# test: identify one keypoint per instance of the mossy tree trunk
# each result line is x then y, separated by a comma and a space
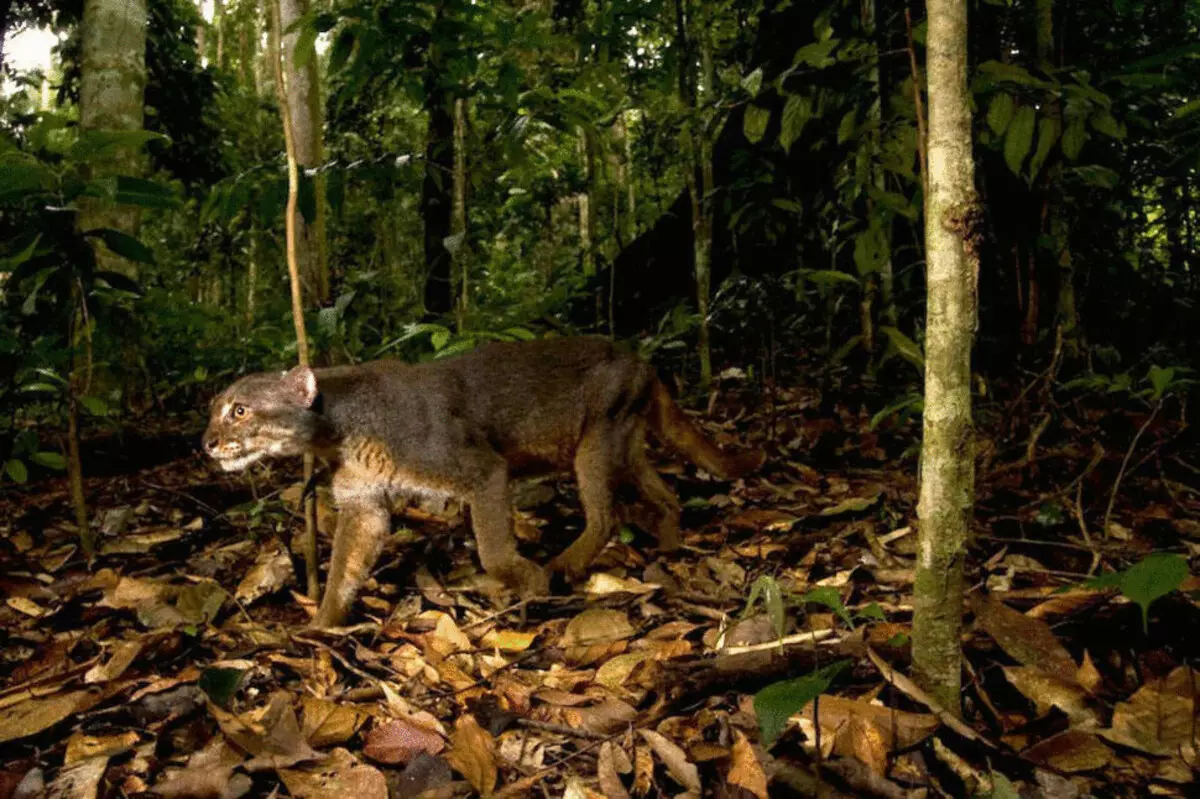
947, 453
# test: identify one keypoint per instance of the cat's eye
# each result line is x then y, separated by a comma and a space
239, 411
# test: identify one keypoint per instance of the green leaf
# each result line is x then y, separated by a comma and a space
870, 249
123, 245
1153, 578
95, 145
16, 470
872, 612
908, 349
796, 113
1001, 72
777, 703
816, 54
13, 261
144, 193
306, 45
767, 589
340, 50
1160, 379
1048, 129
847, 125
1074, 137
119, 282
830, 598
1002, 788
1107, 124
752, 83
1099, 176
439, 338
894, 202
51, 460
1188, 108
39, 388
221, 684
754, 124
828, 277
1019, 138
21, 176
96, 406
911, 403
1000, 113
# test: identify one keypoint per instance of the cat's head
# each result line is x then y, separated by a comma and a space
266, 415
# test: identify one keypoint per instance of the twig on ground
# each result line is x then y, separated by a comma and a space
1112, 497
562, 729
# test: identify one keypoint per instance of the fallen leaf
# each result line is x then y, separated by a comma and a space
82, 747
508, 640
614, 672
123, 655
606, 772
473, 754
131, 593
27, 606
78, 781
851, 505
863, 740
744, 770
576, 789
35, 715
1046, 691
340, 776
900, 729
325, 723
1088, 675
603, 584
762, 519
400, 741
140, 543
1157, 719
675, 759
1027, 640
1070, 752
608, 717
597, 626
425, 773
208, 773
643, 770
270, 734
271, 571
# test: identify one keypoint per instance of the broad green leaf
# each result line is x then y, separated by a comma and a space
306, 45
1002, 788
777, 703
908, 349
754, 124
827, 277
464, 344
1188, 108
1048, 129
51, 460
1000, 113
1000, 71
1160, 379
767, 589
1074, 137
119, 282
872, 612
96, 145
1107, 124
39, 388
16, 470
870, 250
796, 113
752, 83
816, 54
13, 261
1099, 176
830, 598
96, 406
911, 403
895, 202
123, 245
439, 338
21, 176
847, 125
1019, 138
792, 206
1153, 578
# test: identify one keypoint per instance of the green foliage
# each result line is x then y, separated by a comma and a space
765, 588
778, 702
1148, 580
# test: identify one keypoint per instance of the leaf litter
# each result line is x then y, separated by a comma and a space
179, 666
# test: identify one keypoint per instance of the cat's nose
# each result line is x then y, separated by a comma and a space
209, 443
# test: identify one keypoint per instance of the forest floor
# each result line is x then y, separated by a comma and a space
178, 661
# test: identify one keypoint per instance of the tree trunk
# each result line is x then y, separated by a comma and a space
201, 35
219, 24
304, 104
947, 452
112, 84
878, 285
459, 221
587, 216
292, 220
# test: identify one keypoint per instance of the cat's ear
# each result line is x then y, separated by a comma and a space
299, 385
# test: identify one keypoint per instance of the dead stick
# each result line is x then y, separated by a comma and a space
916, 75
1112, 497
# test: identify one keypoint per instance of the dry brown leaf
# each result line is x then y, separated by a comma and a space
863, 740
1088, 675
762, 519
1070, 751
1157, 719
836, 712
643, 770
139, 543
208, 773
597, 626
325, 723
1068, 603
606, 772
1046, 691
611, 715
35, 715
1027, 640
613, 674
675, 759
131, 593
26, 605
446, 638
576, 789
744, 770
508, 640
271, 571
77, 781
340, 776
270, 734
400, 741
473, 754
123, 655
604, 584
82, 747
432, 590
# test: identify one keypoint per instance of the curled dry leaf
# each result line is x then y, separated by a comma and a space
83, 747
675, 759
400, 741
27, 606
744, 769
123, 655
1027, 640
131, 593
208, 773
613, 674
607, 768
864, 741
473, 754
576, 789
340, 776
508, 640
1047, 691
899, 729
35, 715
1070, 751
271, 571
1158, 718
270, 734
603, 584
597, 626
